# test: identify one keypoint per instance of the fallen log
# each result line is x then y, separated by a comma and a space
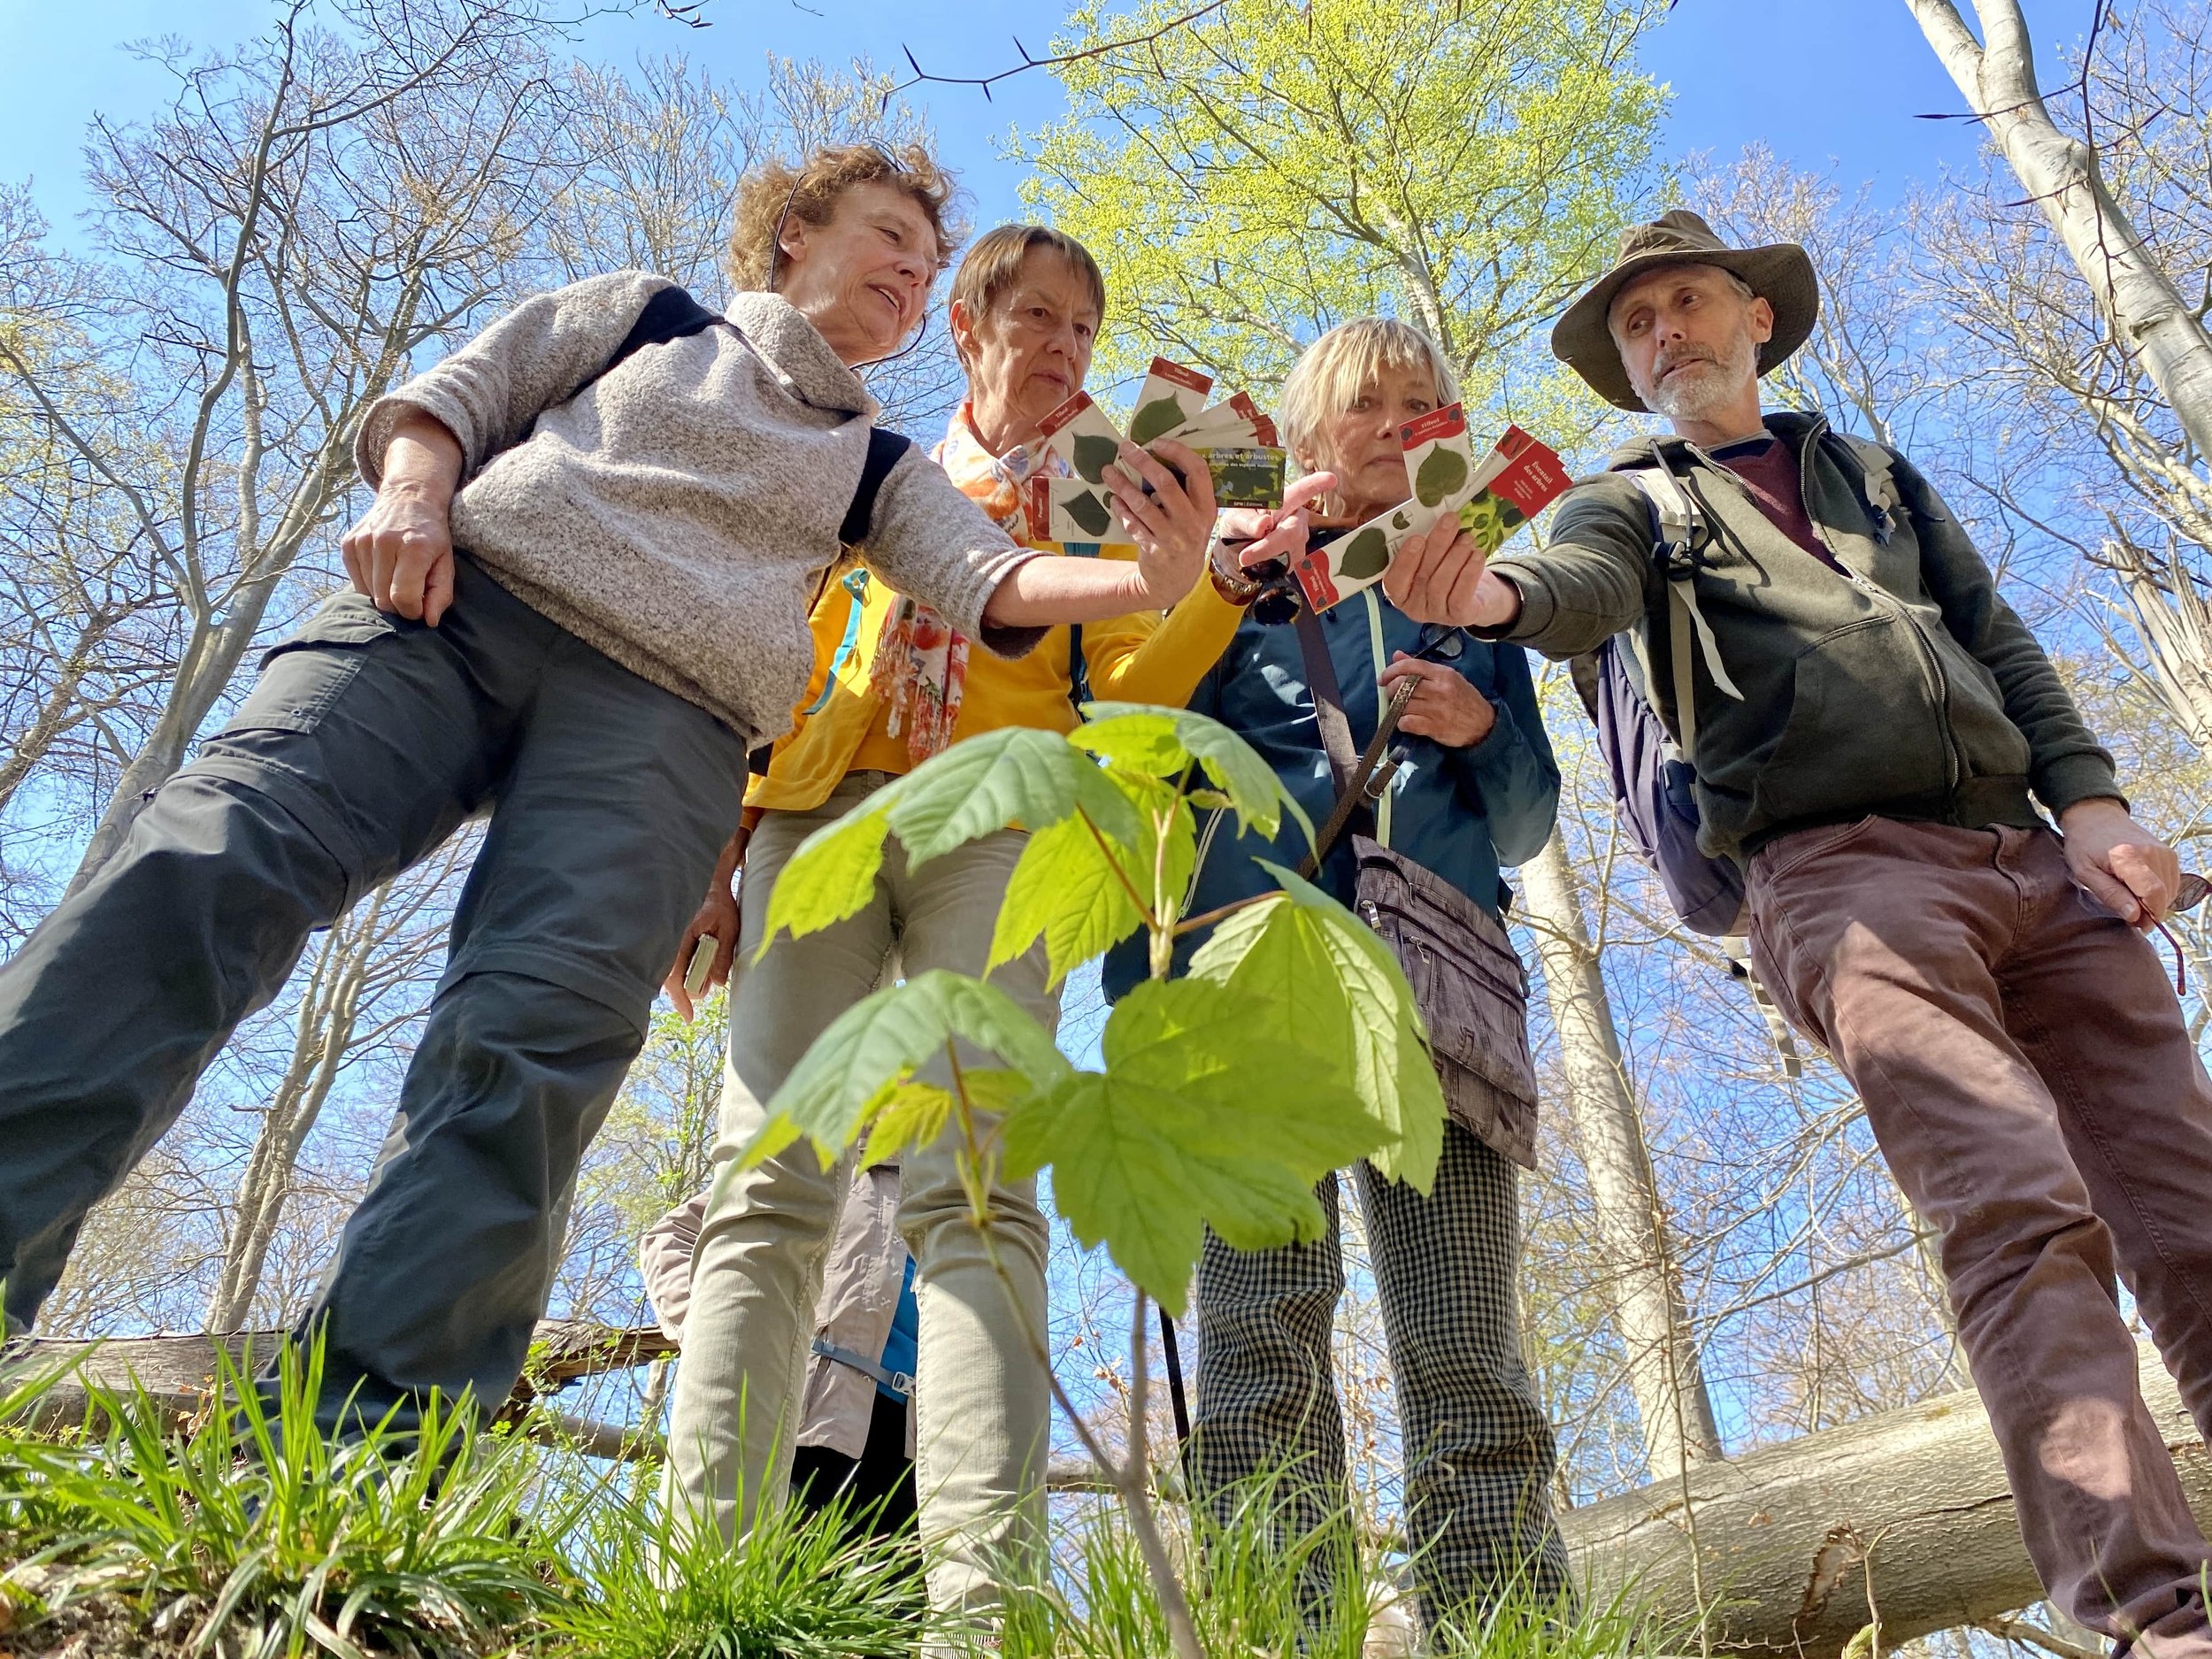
1796, 1547
178, 1372
1790, 1549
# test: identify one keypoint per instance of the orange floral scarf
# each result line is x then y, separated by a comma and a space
920, 669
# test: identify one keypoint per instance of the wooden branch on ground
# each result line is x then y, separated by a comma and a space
178, 1372
1799, 1544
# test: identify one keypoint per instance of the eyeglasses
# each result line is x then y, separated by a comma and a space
1440, 643
2191, 891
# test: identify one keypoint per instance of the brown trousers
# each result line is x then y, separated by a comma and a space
2028, 1077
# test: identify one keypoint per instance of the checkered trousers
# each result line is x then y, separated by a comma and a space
1478, 1451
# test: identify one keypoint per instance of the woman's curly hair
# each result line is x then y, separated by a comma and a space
810, 189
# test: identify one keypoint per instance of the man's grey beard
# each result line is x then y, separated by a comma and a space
1698, 395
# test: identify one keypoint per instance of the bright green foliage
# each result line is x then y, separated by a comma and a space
847, 1074
800, 1586
1010, 776
1197, 1117
1249, 180
1292, 1049
256, 1537
1261, 1568
1290, 955
1159, 742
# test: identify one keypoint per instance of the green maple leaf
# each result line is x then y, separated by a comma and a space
1162, 743
884, 1036
1066, 888
1192, 1124
1329, 989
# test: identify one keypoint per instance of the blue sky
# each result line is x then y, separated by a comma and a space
1820, 80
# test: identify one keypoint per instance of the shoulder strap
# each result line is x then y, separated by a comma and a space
1679, 526
1360, 776
886, 450
1680, 531
671, 314
1877, 481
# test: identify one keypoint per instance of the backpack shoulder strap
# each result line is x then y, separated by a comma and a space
886, 450
1677, 525
671, 314
1679, 531
1878, 479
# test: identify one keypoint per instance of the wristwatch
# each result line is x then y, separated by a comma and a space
1228, 576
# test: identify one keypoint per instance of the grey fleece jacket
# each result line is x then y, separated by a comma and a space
679, 512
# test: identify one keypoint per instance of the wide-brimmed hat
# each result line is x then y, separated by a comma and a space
1780, 274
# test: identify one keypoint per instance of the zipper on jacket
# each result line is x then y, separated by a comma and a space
1938, 686
1939, 683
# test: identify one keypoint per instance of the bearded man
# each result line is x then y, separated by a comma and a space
1871, 728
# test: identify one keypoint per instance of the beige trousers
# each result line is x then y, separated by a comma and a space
981, 1392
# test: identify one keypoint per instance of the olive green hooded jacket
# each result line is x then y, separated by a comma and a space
1908, 689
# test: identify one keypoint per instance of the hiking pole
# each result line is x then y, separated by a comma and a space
1172, 1353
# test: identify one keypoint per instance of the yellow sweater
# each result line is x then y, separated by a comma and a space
1143, 658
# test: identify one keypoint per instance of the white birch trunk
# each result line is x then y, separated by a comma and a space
2061, 175
1663, 1367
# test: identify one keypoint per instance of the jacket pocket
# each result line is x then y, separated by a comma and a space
302, 677
1865, 724
1991, 745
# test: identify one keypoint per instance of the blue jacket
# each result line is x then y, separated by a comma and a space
1459, 812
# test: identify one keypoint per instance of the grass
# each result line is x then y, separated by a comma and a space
245, 1535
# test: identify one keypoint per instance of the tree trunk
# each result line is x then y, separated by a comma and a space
328, 1012
2061, 173
2174, 621
1906, 1512
1663, 1367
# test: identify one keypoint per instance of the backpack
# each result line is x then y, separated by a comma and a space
673, 314
1652, 779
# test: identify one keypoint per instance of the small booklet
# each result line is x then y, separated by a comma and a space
1237, 441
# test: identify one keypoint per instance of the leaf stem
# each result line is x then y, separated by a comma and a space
1222, 912
1120, 875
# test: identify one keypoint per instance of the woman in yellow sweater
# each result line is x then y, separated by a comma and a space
894, 685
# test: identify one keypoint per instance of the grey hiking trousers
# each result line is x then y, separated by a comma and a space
366, 743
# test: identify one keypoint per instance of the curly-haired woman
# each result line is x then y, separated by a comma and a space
582, 597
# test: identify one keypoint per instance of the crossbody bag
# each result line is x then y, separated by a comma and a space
1467, 979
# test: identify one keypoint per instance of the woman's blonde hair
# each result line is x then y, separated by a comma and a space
777, 191
1331, 371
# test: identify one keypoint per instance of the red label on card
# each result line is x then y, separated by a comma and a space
1063, 414
1448, 422
1313, 576
1533, 477
1262, 428
1176, 375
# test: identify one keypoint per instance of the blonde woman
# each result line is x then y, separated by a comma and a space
1478, 790
895, 684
